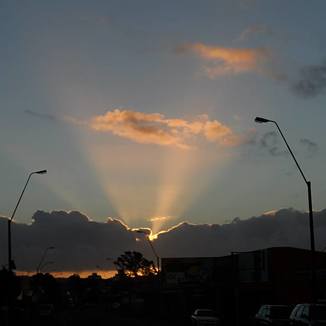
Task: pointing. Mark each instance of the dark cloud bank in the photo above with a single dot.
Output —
(81, 244)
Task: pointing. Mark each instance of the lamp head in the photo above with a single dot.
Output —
(143, 230)
(146, 234)
(41, 172)
(261, 120)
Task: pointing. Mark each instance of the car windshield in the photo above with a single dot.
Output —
(206, 313)
(318, 312)
(280, 312)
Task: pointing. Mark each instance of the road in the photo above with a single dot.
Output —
(100, 317)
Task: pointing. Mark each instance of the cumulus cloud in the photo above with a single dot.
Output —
(155, 128)
(286, 227)
(82, 244)
(222, 61)
(311, 82)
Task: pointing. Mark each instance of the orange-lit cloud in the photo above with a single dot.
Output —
(222, 60)
(155, 128)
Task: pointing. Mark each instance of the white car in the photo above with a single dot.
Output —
(204, 317)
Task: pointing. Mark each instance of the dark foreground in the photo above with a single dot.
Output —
(94, 316)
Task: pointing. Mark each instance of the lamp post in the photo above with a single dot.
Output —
(311, 220)
(47, 263)
(11, 263)
(39, 266)
(153, 249)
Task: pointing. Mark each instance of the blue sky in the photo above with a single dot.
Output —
(64, 63)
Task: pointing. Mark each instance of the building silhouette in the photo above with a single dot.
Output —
(237, 284)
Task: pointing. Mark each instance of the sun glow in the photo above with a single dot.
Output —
(152, 236)
(148, 180)
(184, 175)
(139, 180)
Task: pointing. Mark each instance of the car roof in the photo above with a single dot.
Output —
(274, 305)
(311, 304)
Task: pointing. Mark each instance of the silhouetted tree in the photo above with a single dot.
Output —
(46, 288)
(74, 283)
(133, 264)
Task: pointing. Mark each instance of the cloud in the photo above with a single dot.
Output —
(270, 141)
(274, 145)
(285, 227)
(311, 82)
(155, 128)
(159, 218)
(219, 61)
(44, 116)
(253, 31)
(55, 118)
(310, 146)
(82, 244)
(227, 61)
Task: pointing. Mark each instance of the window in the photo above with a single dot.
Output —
(298, 313)
(305, 312)
(261, 311)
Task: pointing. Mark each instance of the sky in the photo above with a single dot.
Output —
(143, 111)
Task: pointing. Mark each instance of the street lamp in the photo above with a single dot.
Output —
(153, 249)
(39, 266)
(311, 220)
(11, 263)
(47, 263)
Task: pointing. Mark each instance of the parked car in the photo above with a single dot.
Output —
(308, 314)
(204, 317)
(277, 315)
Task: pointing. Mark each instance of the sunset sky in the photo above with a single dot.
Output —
(144, 110)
